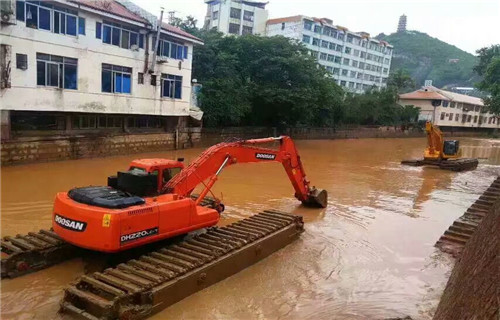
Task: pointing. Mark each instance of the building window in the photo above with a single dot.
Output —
(322, 56)
(450, 118)
(283, 26)
(84, 122)
(144, 122)
(109, 122)
(24, 121)
(469, 118)
(353, 74)
(343, 83)
(329, 69)
(140, 78)
(324, 44)
(21, 61)
(308, 25)
(457, 116)
(355, 63)
(306, 39)
(331, 46)
(56, 71)
(172, 50)
(339, 48)
(215, 15)
(317, 29)
(336, 71)
(315, 42)
(445, 103)
(81, 25)
(120, 36)
(475, 119)
(331, 58)
(171, 86)
(347, 50)
(44, 16)
(116, 79)
(337, 59)
(153, 80)
(235, 13)
(346, 61)
(344, 72)
(246, 30)
(248, 16)
(234, 28)
(442, 115)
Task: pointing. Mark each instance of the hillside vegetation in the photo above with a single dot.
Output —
(428, 58)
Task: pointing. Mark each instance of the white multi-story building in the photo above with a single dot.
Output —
(450, 109)
(81, 66)
(236, 17)
(355, 60)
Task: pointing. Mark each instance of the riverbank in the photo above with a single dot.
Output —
(55, 148)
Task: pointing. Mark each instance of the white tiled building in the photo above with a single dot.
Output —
(450, 109)
(355, 60)
(236, 17)
(80, 66)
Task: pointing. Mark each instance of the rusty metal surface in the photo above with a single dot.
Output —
(454, 239)
(451, 164)
(144, 286)
(34, 251)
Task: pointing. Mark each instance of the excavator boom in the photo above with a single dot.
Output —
(211, 162)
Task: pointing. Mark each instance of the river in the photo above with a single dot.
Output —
(368, 255)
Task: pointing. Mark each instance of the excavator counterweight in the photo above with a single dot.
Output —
(445, 154)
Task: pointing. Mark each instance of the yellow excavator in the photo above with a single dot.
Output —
(444, 154)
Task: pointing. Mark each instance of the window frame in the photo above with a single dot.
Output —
(61, 66)
(116, 70)
(174, 81)
(115, 27)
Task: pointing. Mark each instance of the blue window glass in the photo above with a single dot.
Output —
(173, 51)
(178, 87)
(98, 30)
(180, 50)
(141, 41)
(71, 25)
(185, 52)
(126, 83)
(53, 74)
(166, 88)
(166, 48)
(115, 37)
(44, 22)
(133, 39)
(106, 36)
(40, 73)
(81, 25)
(106, 81)
(70, 77)
(31, 16)
(20, 10)
(57, 21)
(63, 23)
(118, 82)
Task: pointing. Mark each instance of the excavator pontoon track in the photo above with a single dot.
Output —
(454, 239)
(34, 251)
(144, 286)
(23, 254)
(450, 164)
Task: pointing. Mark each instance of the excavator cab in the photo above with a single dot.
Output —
(451, 148)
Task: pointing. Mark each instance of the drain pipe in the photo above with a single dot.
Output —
(157, 42)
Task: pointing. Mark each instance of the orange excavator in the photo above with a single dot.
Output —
(153, 200)
(444, 154)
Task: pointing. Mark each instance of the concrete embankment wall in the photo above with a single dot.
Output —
(64, 148)
(473, 289)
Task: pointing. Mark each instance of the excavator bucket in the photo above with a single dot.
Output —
(318, 198)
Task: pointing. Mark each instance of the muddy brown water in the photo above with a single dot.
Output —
(369, 255)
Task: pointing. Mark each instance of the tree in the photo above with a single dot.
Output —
(188, 24)
(401, 81)
(489, 68)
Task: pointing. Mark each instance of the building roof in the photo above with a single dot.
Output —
(285, 19)
(179, 31)
(433, 93)
(422, 95)
(112, 7)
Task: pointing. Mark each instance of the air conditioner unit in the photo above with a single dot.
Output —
(7, 9)
(134, 47)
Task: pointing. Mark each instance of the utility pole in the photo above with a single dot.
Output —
(171, 17)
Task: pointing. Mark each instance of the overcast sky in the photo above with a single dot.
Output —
(468, 25)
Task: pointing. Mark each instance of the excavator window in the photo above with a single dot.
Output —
(170, 173)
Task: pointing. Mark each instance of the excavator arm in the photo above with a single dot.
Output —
(211, 162)
(435, 141)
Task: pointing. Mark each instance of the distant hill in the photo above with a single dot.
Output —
(428, 58)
